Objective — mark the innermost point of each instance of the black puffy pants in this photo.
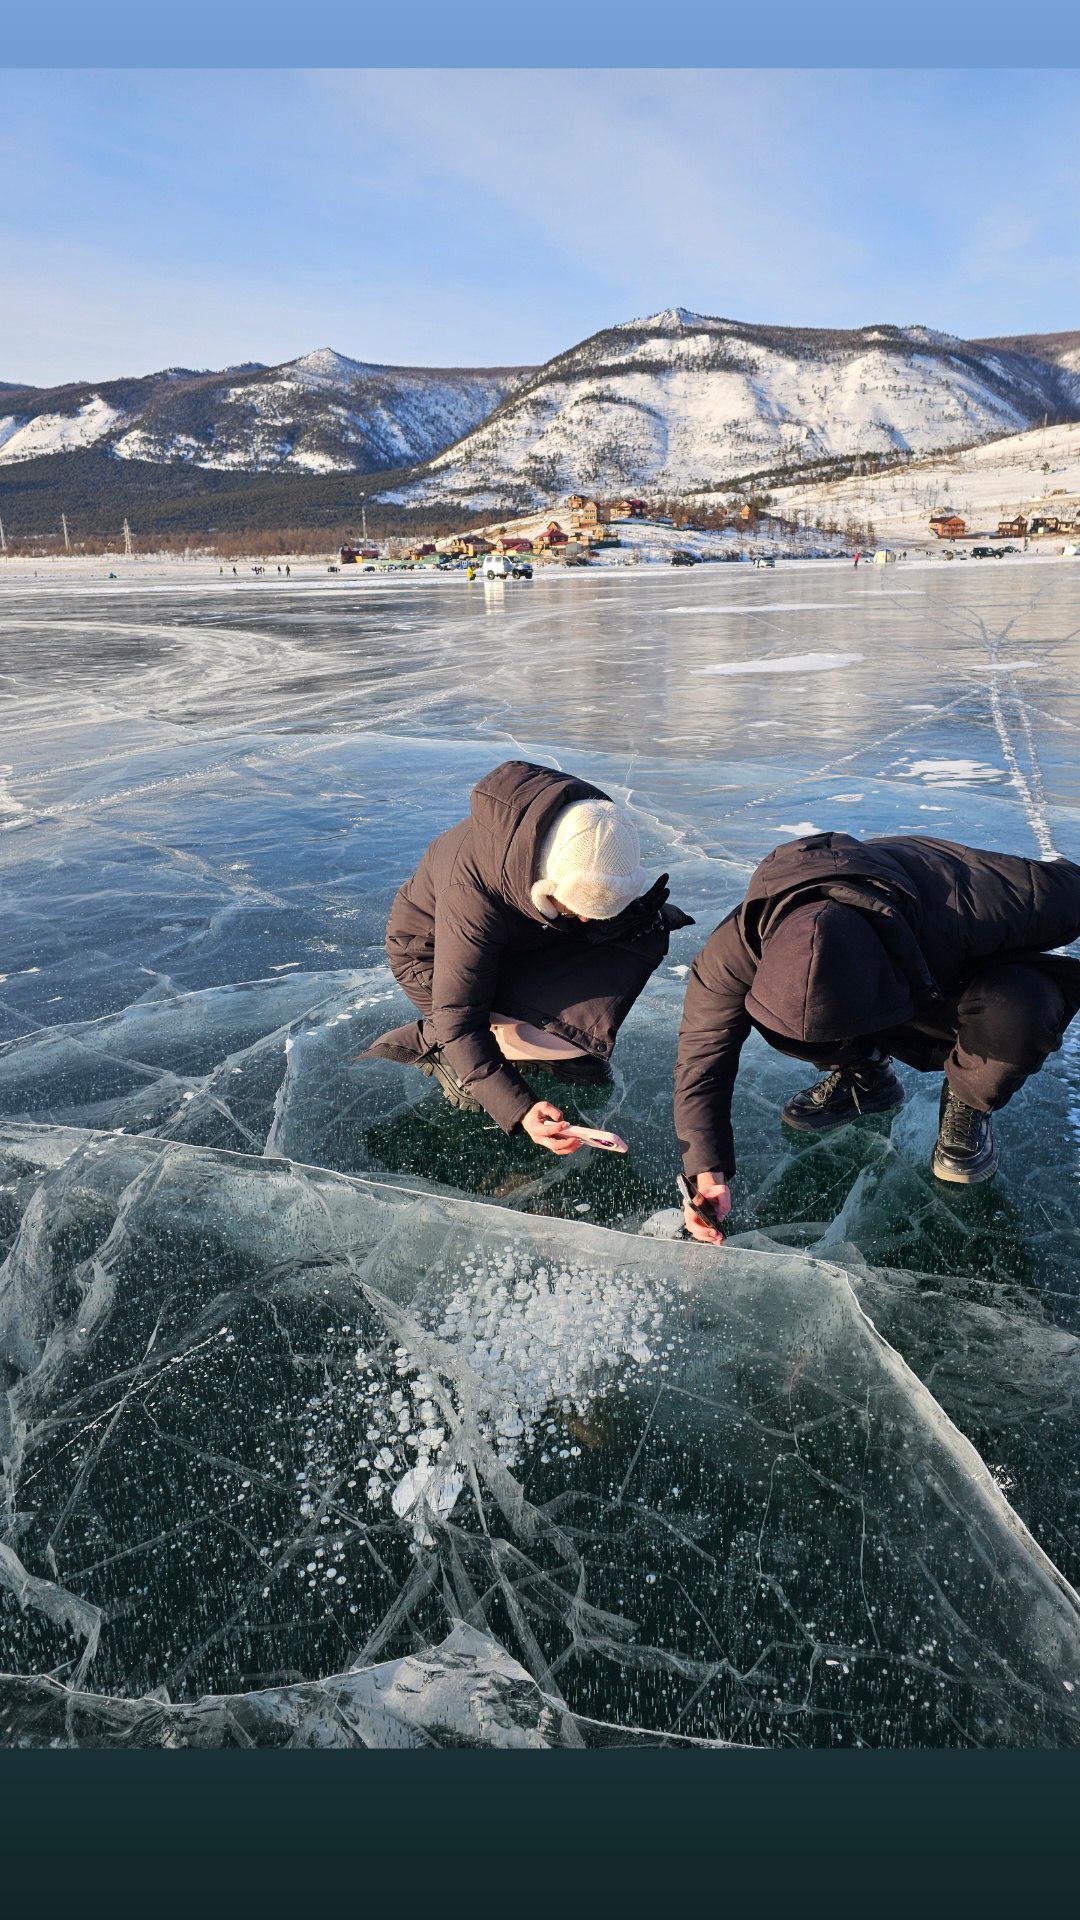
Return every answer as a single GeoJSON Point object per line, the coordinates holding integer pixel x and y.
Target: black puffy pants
{"type": "Point", "coordinates": [1009, 1019]}
{"type": "Point", "coordinates": [1002, 1025]}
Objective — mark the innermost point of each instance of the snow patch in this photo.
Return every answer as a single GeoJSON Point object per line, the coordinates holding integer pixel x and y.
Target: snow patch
{"type": "Point", "coordinates": [952, 773]}
{"type": "Point", "coordinates": [57, 432]}
{"type": "Point", "coordinates": [786, 663]}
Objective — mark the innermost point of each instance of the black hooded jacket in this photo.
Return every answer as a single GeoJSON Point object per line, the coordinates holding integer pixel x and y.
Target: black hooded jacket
{"type": "Point", "coordinates": [939, 911]}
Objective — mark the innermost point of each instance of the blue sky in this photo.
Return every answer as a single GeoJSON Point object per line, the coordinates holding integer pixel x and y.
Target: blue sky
{"type": "Point", "coordinates": [489, 217]}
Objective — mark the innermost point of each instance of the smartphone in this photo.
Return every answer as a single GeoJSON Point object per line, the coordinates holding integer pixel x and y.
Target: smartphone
{"type": "Point", "coordinates": [697, 1203]}
{"type": "Point", "coordinates": [599, 1137]}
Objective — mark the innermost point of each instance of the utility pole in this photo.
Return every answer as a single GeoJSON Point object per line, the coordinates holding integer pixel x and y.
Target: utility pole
{"type": "Point", "coordinates": [67, 542]}
{"type": "Point", "coordinates": [363, 521]}
{"type": "Point", "coordinates": [128, 549]}
{"type": "Point", "coordinates": [3, 542]}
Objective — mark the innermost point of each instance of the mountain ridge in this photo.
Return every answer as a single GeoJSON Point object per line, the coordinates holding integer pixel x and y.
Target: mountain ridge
{"type": "Point", "coordinates": [323, 412]}
{"type": "Point", "coordinates": [670, 402]}
{"type": "Point", "coordinates": [676, 402]}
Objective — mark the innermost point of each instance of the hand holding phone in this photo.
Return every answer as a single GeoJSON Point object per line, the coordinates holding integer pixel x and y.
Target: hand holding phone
{"type": "Point", "coordinates": [706, 1203]}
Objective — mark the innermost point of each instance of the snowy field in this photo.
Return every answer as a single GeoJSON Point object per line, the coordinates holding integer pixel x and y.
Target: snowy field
{"type": "Point", "coordinates": [332, 1416]}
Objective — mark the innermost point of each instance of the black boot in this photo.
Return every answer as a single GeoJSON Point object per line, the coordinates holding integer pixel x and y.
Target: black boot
{"type": "Point", "coordinates": [965, 1152]}
{"type": "Point", "coordinates": [402, 1044]}
{"type": "Point", "coordinates": [435, 1065]}
{"type": "Point", "coordinates": [410, 1047]}
{"type": "Point", "coordinates": [845, 1094]}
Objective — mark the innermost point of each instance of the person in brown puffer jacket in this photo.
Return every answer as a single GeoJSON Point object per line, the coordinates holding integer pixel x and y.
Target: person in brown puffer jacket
{"type": "Point", "coordinates": [525, 935]}
{"type": "Point", "coordinates": [846, 953]}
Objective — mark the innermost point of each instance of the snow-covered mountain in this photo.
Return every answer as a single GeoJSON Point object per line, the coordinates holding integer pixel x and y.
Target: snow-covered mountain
{"type": "Point", "coordinates": [681, 400]}
{"type": "Point", "coordinates": [323, 413]}
{"type": "Point", "coordinates": [667, 404]}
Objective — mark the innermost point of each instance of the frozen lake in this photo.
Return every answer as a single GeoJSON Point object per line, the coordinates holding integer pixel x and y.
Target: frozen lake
{"type": "Point", "coordinates": [819, 1488]}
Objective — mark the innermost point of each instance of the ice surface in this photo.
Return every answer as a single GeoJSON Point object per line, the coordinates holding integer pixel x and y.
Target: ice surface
{"type": "Point", "coordinates": [587, 1485]}
{"type": "Point", "coordinates": [687, 1497]}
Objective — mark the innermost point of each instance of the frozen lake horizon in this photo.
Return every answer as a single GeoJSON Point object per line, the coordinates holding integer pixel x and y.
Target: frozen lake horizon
{"type": "Point", "coordinates": [817, 1488]}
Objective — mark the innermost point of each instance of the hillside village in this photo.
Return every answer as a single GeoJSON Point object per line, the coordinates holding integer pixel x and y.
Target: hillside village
{"type": "Point", "coordinates": [584, 530]}
{"type": "Point", "coordinates": [1024, 488]}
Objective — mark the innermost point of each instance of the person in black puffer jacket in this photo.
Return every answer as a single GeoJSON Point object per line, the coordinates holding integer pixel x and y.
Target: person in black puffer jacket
{"type": "Point", "coordinates": [849, 953]}
{"type": "Point", "coordinates": [525, 935]}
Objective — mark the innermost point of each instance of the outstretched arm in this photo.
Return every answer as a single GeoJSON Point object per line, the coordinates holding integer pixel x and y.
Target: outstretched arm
{"type": "Point", "coordinates": [714, 1026]}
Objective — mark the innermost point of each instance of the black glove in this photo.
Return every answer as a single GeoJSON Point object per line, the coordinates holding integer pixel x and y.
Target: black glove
{"type": "Point", "coordinates": [648, 913]}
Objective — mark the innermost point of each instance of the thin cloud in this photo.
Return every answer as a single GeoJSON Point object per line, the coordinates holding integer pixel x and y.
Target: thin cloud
{"type": "Point", "coordinates": [497, 216]}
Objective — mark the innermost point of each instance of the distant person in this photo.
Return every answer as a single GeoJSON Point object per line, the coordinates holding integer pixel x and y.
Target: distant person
{"type": "Point", "coordinates": [857, 558]}
{"type": "Point", "coordinates": [288, 571]}
{"type": "Point", "coordinates": [523, 939]}
{"type": "Point", "coordinates": [849, 953]}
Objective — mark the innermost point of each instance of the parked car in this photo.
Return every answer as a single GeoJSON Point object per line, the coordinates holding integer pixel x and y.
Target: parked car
{"type": "Point", "coordinates": [764, 560]}
{"type": "Point", "coordinates": [506, 566]}
{"type": "Point", "coordinates": [1002, 550]}
{"type": "Point", "coordinates": [681, 558]}
{"type": "Point", "coordinates": [987, 553]}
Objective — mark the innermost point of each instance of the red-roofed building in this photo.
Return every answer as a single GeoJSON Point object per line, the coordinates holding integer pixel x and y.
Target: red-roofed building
{"type": "Point", "coordinates": [552, 536]}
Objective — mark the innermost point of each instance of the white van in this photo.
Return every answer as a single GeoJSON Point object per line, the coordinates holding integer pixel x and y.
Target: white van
{"type": "Point", "coordinates": [506, 566]}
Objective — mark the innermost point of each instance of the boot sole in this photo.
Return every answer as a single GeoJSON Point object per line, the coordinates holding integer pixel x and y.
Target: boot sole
{"type": "Point", "coordinates": [799, 1125]}
{"type": "Point", "coordinates": [954, 1178]}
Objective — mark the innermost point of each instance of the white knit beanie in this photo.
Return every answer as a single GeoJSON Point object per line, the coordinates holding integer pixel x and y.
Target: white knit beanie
{"type": "Point", "coordinates": [590, 862]}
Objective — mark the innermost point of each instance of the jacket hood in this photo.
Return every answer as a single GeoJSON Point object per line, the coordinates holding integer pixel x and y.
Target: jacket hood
{"type": "Point", "coordinates": [824, 975]}
{"type": "Point", "coordinates": [850, 873]}
{"type": "Point", "coordinates": [511, 811]}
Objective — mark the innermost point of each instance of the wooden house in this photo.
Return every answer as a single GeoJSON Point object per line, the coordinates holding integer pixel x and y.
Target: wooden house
{"type": "Point", "coordinates": [467, 546]}
{"type": "Point", "coordinates": [552, 536]}
{"type": "Point", "coordinates": [948, 526]}
{"type": "Point", "coordinates": [628, 509]}
{"type": "Point", "coordinates": [586, 513]}
{"type": "Point", "coordinates": [1012, 529]}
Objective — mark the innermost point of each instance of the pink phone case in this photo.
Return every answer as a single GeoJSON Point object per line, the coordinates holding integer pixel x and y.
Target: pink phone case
{"type": "Point", "coordinates": [599, 1137]}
